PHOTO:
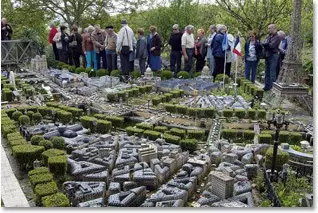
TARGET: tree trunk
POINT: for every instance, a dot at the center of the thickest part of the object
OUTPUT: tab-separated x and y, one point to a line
292	66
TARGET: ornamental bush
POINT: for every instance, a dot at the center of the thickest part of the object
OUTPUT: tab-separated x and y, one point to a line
100	116
219	78
10	111
198	134
229	134
148	88
168	97
156	101
58	142
58	165
210	112
53	104
152	135
251	114
14	136
112	97
46	144
115	120
51	153
240	113
30	114
72	68
16	115
261	114
103	126
181	109
24	120
37	118
176	93
166	74
134	131
265	138
282	158
17	142
183	75
136	74
76	112
130	93
135	92
178	132
55	200
7	95
283	137
64	116
170	108
228	113
122	94
10	128
40	170
115	73
249	135
45	189
189	145
142	90
35	140
26	154
295	138
87	122
145	126
171	138
195	112
101	72
40	178
161	128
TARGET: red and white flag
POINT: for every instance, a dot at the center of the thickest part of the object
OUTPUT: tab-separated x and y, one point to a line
237	46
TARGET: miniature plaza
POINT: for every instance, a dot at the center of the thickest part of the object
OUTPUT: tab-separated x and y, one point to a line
81	141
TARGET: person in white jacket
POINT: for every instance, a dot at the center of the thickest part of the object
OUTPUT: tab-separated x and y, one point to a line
210	57
125	46
229	55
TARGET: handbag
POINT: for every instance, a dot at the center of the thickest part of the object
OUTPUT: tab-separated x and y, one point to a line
74	42
125	50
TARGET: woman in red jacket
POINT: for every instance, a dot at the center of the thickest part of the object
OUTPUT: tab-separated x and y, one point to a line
52	33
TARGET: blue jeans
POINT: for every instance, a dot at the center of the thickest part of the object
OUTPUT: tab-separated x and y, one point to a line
101	54
248	66
270	70
211	62
111	58
91	59
175	57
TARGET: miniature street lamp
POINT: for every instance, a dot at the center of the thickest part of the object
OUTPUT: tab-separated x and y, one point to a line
94	125
277	119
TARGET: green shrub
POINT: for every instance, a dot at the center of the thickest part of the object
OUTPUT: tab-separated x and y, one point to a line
181	109
161	128
142	90
163	98
229	134
58	165
261	114
7	129
58	142
145	126
87	122
16	115
168	97
152	135
14	136
53	104
183	75
112	97
283	137
196	74
265	138
24	120
100	116
40	178
219	78
210	112
130	93
7	95
115	73
166	74
103	126
55	200
249	135
45	189
122	94
134	131
282	158
46	144
72	68
198	134
259	92
37	117
240	113
195	112
30	114
116	121
178	132
135	92
156	101
171	138
40	170
251	114
148	88
17	142
64	116
295	138
10	111
170	108
228	113
101	72
35	140
176	93
26	154
136	74
189	145
78	70
51	153
76	112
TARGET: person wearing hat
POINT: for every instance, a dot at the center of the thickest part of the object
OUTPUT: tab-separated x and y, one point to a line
125	46
110	46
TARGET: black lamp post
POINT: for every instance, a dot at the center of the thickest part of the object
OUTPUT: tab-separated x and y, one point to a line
278	120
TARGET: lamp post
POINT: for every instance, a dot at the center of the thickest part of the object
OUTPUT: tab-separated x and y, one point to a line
278	120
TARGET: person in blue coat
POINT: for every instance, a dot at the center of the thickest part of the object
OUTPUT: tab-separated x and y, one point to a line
253	50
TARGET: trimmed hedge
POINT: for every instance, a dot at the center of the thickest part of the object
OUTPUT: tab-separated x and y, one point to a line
210	112
240	113
37	117
87	122
249	135
261	114
265	138
132	131
115	73
171	138
284	137
282	158
168	96
229	134
64	116
152	135
45	111
145	126
46	144
181	109
178	132
17	142
26	154
16	115
35	140
295	138
56	200
40	170
156	100
24	120
58	142
189	145
103	126
14	136
45	189
116	121
58	165
51	153
142	90
161	128
198	134
170	108
228	113
40	178
100	116
251	114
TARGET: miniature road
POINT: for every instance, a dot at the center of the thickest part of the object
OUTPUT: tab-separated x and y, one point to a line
11	192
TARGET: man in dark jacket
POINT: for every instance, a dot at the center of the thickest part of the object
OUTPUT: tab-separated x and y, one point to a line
6	30
176	49
76	49
271	44
141	50
217	51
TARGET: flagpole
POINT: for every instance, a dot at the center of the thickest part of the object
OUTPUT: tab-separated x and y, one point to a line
235	84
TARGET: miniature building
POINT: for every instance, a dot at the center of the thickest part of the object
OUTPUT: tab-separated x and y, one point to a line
222	184
131	198
147	153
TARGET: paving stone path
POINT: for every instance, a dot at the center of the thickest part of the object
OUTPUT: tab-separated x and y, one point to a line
11	192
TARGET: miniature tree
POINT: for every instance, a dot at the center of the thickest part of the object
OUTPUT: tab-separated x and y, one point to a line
37	117
46	144
35	140
24	120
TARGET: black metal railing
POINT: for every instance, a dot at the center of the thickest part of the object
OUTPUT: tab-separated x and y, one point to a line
271	193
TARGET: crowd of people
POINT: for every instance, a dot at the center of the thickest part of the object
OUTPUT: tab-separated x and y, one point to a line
99	48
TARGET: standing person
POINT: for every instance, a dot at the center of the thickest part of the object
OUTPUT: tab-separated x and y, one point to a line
187	43
98	38
75	40
176	50
271	44
6	30
283	45
200	50
83	53
148	47
88	49
155	50
110	46
124	47
229	54
62	43
141	50
218	52
253	50
52	33
210	57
